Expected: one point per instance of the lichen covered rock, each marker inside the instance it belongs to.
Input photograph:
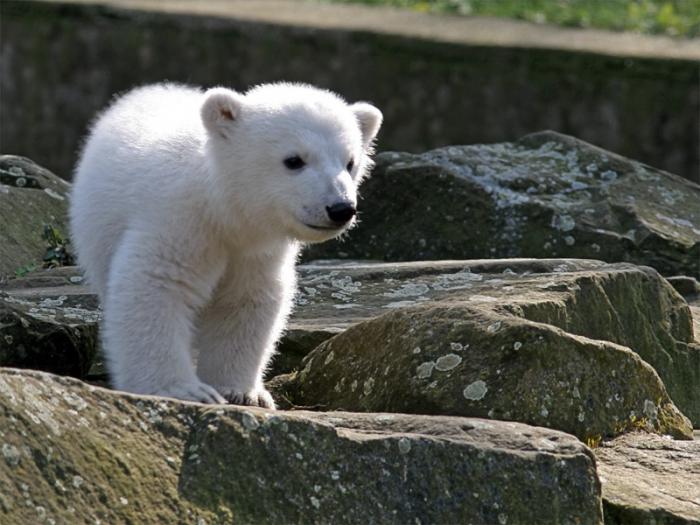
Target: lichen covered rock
(72, 453)
(53, 333)
(546, 195)
(30, 197)
(564, 344)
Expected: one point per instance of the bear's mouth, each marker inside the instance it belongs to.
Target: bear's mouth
(323, 228)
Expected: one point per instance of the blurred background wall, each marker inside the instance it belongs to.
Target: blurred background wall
(61, 63)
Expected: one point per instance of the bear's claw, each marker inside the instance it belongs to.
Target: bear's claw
(257, 398)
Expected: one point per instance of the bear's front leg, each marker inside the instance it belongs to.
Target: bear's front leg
(148, 317)
(237, 334)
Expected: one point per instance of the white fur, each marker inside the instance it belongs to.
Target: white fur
(188, 224)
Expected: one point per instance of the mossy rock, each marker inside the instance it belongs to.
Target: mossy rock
(546, 195)
(573, 345)
(73, 453)
(30, 197)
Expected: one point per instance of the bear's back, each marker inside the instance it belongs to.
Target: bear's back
(141, 160)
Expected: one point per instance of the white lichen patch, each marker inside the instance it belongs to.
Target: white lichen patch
(425, 370)
(517, 345)
(250, 422)
(494, 327)
(74, 400)
(54, 195)
(11, 454)
(404, 445)
(609, 176)
(456, 281)
(53, 303)
(483, 298)
(367, 386)
(399, 304)
(475, 391)
(457, 347)
(447, 362)
(563, 222)
(408, 290)
(78, 481)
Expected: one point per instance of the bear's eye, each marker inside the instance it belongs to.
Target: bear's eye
(294, 163)
(350, 165)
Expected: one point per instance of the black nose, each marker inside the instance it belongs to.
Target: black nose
(341, 212)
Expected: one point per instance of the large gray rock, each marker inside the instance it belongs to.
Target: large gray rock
(566, 344)
(72, 453)
(650, 480)
(49, 322)
(593, 320)
(30, 197)
(546, 195)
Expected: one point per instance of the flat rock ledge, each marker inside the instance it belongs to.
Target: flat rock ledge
(563, 343)
(650, 480)
(74, 453)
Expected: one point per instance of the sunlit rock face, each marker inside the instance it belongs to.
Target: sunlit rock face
(72, 453)
(546, 195)
(581, 346)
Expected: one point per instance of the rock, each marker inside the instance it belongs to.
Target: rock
(685, 285)
(73, 453)
(30, 197)
(56, 333)
(546, 195)
(649, 479)
(552, 343)
(48, 321)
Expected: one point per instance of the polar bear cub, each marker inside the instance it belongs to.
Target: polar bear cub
(187, 214)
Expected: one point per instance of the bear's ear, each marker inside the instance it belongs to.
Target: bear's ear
(221, 108)
(370, 120)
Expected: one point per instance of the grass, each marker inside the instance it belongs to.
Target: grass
(668, 17)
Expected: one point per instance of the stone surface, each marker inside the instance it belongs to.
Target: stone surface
(30, 197)
(688, 287)
(650, 480)
(72, 453)
(591, 317)
(554, 343)
(546, 195)
(54, 332)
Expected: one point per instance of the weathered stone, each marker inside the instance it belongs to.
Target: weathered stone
(55, 334)
(30, 197)
(552, 343)
(77, 454)
(685, 285)
(650, 480)
(622, 304)
(546, 195)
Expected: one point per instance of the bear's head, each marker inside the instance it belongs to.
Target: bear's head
(290, 157)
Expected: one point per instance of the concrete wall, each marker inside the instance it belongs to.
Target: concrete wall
(59, 64)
